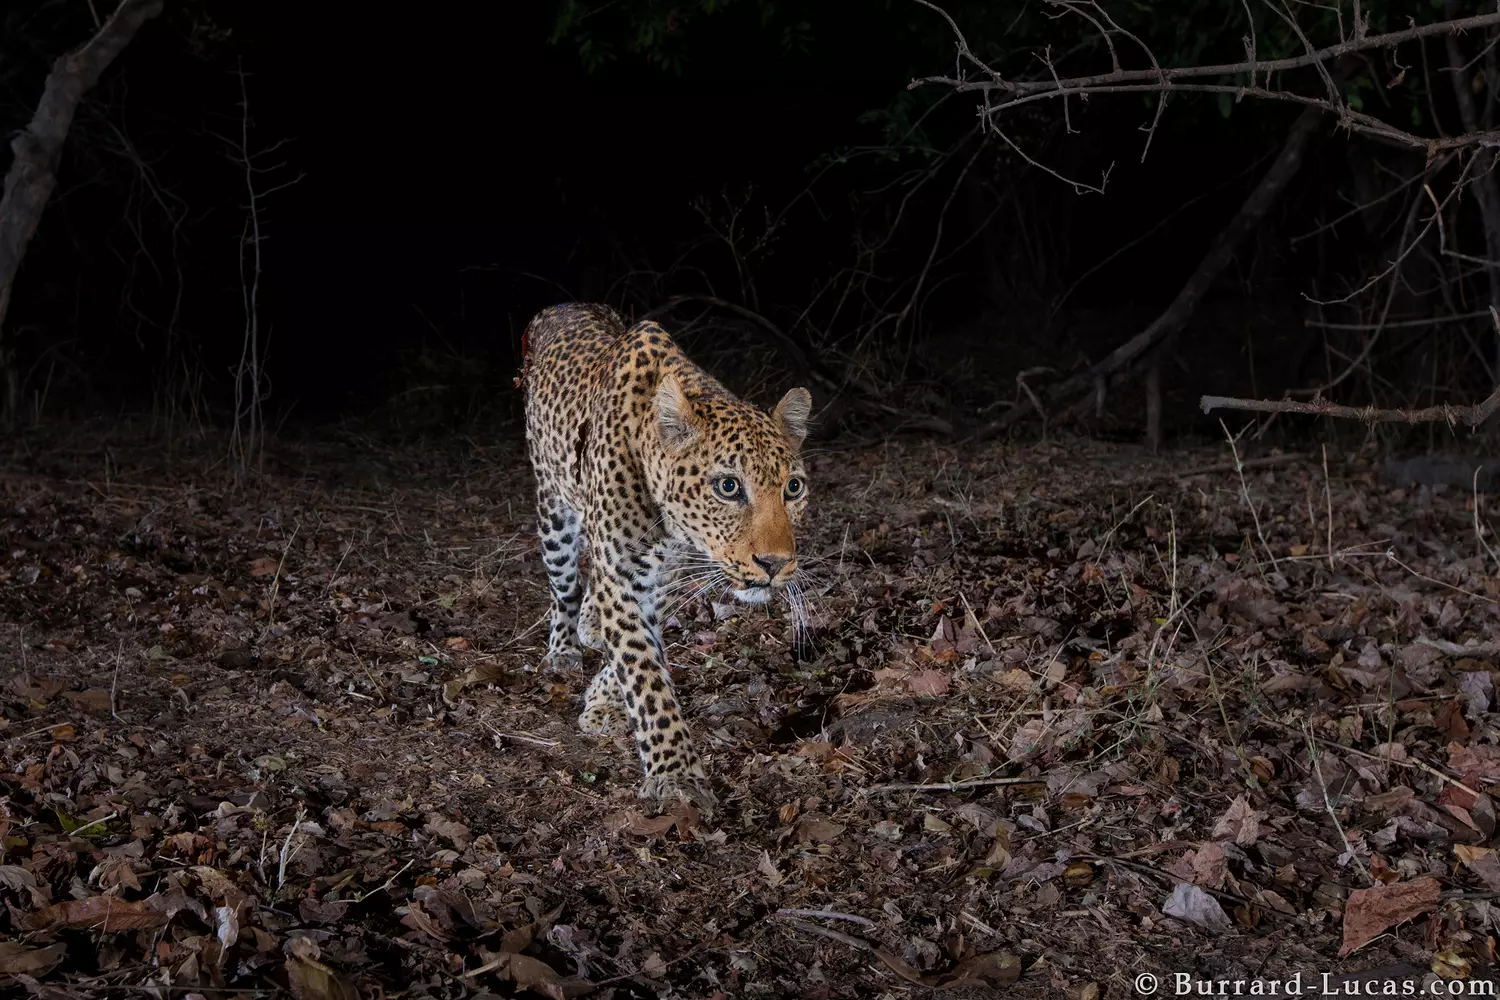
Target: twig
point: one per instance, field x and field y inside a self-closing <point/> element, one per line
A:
<point x="285" y="847"/>
<point x="103" y="819"/>
<point x="891" y="962"/>
<point x="1264" y="462"/>
<point x="1408" y="762"/>
<point x="1171" y="74"/>
<point x="1031" y="395"/>
<point x="1391" y="556"/>
<point x="1245" y="494"/>
<point x="536" y="741"/>
<point x="276" y="580"/>
<point x="791" y="911"/>
<point x="1473" y="415"/>
<point x="382" y="887"/>
<point x="1328" y="499"/>
<point x="37" y="732"/>
<point x="978" y="625"/>
<point x="954" y="786"/>
<point x="119" y="651"/>
<point x="1402" y="324"/>
<point x="1312" y="751"/>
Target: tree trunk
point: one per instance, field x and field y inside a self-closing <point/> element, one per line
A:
<point x="1219" y="255"/>
<point x="38" y="150"/>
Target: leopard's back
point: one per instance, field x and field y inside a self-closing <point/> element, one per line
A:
<point x="571" y="351"/>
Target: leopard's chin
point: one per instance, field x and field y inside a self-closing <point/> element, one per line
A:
<point x="752" y="595"/>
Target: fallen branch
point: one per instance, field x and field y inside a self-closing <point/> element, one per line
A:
<point x="1176" y="315"/>
<point x="1473" y="415"/>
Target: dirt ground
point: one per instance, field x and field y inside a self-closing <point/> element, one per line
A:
<point x="1068" y="715"/>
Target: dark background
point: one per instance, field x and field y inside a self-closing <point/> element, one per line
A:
<point x="460" y="170"/>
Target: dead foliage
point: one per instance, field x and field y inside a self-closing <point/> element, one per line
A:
<point x="1062" y="719"/>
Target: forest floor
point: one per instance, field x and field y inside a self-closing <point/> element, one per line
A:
<point x="1071" y="715"/>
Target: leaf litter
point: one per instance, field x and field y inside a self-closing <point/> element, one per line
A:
<point x="1062" y="718"/>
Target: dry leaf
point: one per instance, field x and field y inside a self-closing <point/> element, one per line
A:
<point x="997" y="968"/>
<point x="534" y="974"/>
<point x="1031" y="737"/>
<point x="817" y="828"/>
<point x="518" y="939"/>
<point x="16" y="959"/>
<point x="1480" y="760"/>
<point x="450" y="830"/>
<point x="928" y="682"/>
<point x="1482" y="862"/>
<point x="418" y="919"/>
<point x="104" y="913"/>
<point x="1239" y="823"/>
<point x="310" y="979"/>
<point x="682" y="815"/>
<point x="226" y="928"/>
<point x="94" y="700"/>
<point x="768" y="868"/>
<point x="1369" y="913"/>
<point x="264" y="566"/>
<point x="1016" y="680"/>
<point x="1192" y="905"/>
<point x="1206" y="866"/>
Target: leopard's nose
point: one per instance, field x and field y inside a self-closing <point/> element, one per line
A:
<point x="772" y="564"/>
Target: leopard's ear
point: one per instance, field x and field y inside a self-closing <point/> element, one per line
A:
<point x="793" y="412"/>
<point x="674" y="414"/>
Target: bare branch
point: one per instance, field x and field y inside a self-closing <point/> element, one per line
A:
<point x="1472" y="416"/>
<point x="1398" y="324"/>
<point x="1172" y="74"/>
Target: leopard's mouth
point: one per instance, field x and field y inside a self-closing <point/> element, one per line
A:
<point x="754" y="593"/>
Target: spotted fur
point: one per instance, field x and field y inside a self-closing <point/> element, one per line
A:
<point x="632" y="445"/>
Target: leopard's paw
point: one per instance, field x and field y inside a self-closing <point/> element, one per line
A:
<point x="562" y="659"/>
<point x="691" y="788"/>
<point x="590" y="635"/>
<point x="605" y="720"/>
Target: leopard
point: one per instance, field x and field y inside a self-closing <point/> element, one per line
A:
<point x="647" y="463"/>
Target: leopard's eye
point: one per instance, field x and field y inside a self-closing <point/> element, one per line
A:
<point x="727" y="488"/>
<point x="795" y="487"/>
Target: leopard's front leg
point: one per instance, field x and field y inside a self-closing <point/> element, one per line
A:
<point x="639" y="667"/>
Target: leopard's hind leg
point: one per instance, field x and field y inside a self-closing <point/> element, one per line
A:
<point x="561" y="531"/>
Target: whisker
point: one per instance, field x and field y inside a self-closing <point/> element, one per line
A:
<point x="801" y="634"/>
<point x="681" y="584"/>
<point x="803" y="610"/>
<point x="682" y="601"/>
<point x="689" y="582"/>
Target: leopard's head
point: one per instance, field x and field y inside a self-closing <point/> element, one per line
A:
<point x="732" y="483"/>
